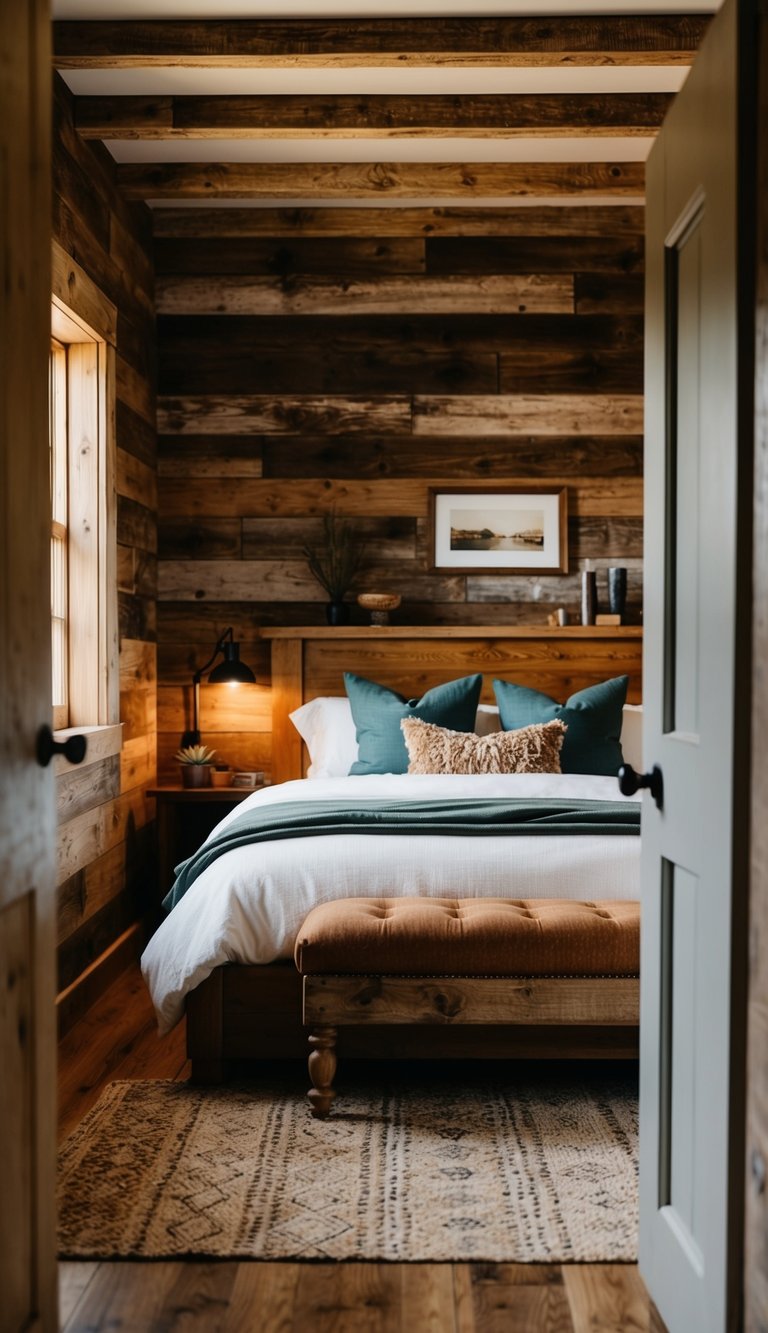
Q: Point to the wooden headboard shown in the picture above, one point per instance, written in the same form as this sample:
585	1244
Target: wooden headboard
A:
308	662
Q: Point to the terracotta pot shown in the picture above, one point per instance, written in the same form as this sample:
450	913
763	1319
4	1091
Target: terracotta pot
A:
195	775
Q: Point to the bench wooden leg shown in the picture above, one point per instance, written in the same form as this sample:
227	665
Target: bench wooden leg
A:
322	1067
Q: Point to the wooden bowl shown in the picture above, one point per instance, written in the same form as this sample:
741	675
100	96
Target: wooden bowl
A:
379	601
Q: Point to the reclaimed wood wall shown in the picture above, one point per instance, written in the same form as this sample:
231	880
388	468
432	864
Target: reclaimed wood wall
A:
104	846
351	358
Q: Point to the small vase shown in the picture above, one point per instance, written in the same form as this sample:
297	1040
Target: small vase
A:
617	590
588	597
337	613
195	775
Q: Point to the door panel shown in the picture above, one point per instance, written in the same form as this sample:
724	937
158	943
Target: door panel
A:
697	451
682	1111
683	468
27	823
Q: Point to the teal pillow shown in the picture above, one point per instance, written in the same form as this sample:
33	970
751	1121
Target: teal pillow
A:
593	718
378	712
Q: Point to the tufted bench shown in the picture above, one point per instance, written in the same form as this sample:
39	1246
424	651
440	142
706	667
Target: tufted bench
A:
462	960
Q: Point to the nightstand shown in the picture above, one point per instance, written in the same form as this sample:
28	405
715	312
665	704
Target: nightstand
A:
185	816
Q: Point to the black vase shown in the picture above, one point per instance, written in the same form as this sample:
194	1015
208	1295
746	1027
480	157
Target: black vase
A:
337	613
617	590
588	597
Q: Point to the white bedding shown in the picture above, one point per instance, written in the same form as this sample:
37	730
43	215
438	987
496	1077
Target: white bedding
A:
248	905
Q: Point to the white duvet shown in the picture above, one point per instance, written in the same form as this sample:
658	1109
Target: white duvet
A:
248	905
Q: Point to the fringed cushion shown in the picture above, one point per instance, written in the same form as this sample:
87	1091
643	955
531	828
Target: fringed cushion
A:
433	749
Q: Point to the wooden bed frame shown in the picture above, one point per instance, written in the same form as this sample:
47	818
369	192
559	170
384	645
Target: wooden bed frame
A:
255	1012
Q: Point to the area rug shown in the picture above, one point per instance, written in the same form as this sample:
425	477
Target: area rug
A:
503	1170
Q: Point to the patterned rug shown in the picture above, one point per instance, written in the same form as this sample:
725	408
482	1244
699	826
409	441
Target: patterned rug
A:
538	1170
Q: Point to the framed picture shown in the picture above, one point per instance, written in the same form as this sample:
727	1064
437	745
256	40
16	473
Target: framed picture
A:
499	530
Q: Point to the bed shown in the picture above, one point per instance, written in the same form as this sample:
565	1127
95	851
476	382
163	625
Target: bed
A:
224	953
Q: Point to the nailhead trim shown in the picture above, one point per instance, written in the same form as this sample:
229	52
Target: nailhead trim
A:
482	976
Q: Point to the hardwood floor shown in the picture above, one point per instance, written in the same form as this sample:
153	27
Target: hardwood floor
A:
116	1040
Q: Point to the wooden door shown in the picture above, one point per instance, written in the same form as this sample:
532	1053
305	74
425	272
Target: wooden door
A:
756	1211
698	454
27	824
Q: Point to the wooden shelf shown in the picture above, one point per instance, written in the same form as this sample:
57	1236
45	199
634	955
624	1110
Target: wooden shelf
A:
180	793
453	632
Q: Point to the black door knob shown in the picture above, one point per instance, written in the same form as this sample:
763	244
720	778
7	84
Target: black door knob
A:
73	748
631	782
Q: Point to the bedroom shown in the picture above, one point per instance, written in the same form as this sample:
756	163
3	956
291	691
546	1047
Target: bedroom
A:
249	492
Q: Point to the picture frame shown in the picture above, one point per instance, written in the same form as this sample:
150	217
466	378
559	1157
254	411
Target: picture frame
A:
506	529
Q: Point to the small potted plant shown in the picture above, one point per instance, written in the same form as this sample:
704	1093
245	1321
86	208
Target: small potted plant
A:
196	761
335	564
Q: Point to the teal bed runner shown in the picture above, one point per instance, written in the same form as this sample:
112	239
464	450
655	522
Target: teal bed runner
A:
457	818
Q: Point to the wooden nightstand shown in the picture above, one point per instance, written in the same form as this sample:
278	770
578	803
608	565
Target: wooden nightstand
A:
185	816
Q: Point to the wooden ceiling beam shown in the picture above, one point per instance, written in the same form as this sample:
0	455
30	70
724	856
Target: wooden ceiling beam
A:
431	294
365	180
500	116
646	40
558	220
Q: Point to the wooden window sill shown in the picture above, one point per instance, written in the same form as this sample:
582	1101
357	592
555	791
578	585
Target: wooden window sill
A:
103	741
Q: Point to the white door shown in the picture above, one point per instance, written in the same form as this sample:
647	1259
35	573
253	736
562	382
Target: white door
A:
27	824
698	450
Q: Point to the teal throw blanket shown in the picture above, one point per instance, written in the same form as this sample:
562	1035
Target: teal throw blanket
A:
475	818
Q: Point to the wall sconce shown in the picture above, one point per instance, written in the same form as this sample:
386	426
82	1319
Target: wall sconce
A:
231	671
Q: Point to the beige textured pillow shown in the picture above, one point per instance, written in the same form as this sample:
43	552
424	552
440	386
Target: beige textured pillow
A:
432	749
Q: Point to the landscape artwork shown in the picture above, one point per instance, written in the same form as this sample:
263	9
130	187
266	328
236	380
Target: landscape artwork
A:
496	530
507	531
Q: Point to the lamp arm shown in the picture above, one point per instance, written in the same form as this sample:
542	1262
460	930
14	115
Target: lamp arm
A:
196	679
218	649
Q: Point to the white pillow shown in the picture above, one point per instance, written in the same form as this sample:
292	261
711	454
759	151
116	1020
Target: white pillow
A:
326	727
632	735
487	719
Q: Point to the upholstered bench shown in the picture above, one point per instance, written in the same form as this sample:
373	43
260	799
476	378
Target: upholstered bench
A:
462	960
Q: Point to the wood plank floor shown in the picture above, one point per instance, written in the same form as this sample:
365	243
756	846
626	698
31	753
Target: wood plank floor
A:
116	1040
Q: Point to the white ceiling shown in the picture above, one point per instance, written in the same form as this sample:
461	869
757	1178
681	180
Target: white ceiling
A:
285	9
382	150
152	81
410	80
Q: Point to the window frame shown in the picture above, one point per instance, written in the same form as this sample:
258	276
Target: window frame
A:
59	477
84	322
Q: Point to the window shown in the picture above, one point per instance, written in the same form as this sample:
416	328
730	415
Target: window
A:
57	437
83	583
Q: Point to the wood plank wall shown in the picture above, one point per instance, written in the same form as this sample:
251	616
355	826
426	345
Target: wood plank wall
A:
105	834
351	359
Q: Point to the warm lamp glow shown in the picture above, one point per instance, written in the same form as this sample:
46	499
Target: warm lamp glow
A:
229	672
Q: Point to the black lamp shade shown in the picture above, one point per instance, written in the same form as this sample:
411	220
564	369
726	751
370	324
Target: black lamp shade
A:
231	670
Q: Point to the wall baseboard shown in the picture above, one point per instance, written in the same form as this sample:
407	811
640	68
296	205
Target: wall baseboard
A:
73	1002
